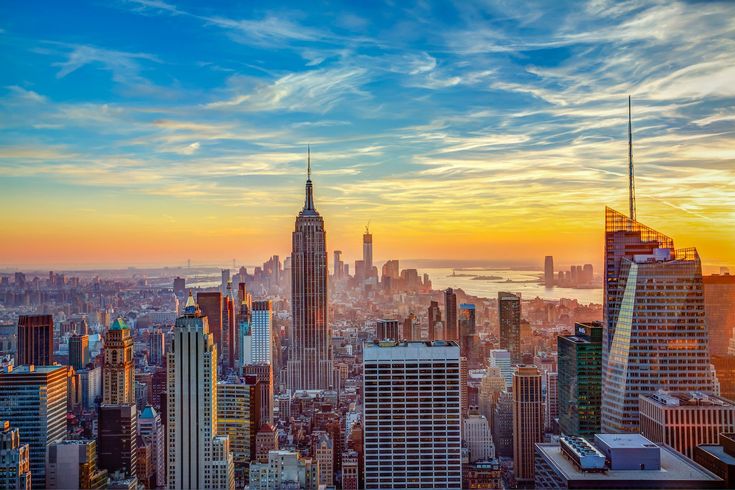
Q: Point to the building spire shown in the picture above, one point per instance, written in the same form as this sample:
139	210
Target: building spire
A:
631	176
309	202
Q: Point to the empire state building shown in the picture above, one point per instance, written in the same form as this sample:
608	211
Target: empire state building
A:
310	350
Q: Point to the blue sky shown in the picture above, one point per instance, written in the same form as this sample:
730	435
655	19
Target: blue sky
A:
483	129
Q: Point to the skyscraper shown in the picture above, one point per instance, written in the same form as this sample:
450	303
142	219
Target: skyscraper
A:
509	315
78	351
229	327
33	398
549	271
197	456
310	348
35	340
238	418
151	429
15	463
435	318
388	329
419	402
211	305
262	332
367	251
654	320
580	380
73	464
719	306
528	420
118	374
450	305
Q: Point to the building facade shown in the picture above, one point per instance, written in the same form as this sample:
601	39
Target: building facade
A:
509	318
35	340
15	462
528	420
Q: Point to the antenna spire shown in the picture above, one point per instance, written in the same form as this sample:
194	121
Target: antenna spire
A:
631	175
309	201
308	162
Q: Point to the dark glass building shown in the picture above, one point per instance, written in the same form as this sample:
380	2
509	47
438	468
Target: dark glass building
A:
509	318
35	340
580	380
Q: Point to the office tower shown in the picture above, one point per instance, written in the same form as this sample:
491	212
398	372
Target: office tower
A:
580	380
324	455
225	279
588	276
350	470
262	332
551	404
477	436
621	461
33	398
388	330
549	271
464	399
156	347
211	305
654	316
229	330
310	347
238	418
245	333
78	351
399	407
337	264
118	367
719	307
450	305
359	271
284	470
685	420
266	440
367	252
528	420
152	432
90	381
435	318
117	438
489	390
509	316
468	334
500	358
725	370
179	286
264	374
15	463
411	328
502	427
719	458
73	464
197	456
35	340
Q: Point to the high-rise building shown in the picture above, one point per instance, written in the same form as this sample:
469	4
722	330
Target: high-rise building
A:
118	369
266	440
725	371
73	464
197	456
78	351
388	330
509	318
264	374
468	334
338	264
500	359
503	424
488	392
229	328
238	418
549	271
367	252
422	388
435	318
262	333
35	340
211	305
156	347
180	287
33	398
528	420
719	306
117	438
411	328
654	320
580	380
323	451
479	440
450	305
551	404
152	431
310	347
685	420
350	470
15	462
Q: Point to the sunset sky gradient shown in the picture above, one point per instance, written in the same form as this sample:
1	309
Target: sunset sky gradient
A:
149	132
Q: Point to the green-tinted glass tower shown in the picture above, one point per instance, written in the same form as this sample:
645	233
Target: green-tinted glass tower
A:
580	380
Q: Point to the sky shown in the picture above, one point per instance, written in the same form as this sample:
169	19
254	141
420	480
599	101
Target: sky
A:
149	132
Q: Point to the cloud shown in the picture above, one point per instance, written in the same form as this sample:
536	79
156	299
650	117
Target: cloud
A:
123	65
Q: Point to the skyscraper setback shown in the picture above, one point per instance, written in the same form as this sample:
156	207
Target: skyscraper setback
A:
310	350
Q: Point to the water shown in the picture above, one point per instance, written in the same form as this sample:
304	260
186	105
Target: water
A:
441	278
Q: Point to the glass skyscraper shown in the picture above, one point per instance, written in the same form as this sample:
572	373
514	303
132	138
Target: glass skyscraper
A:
655	335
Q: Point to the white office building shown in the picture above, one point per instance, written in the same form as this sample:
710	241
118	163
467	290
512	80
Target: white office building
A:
500	358
478	438
411	415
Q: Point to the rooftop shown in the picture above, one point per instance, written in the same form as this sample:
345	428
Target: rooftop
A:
119	324
687	399
622	441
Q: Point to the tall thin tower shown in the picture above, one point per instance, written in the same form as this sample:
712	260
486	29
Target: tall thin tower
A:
310	349
631	175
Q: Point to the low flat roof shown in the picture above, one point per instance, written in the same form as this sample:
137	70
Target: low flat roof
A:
625	441
674	467
719	452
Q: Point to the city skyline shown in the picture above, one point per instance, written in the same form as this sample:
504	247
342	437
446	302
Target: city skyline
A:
210	128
